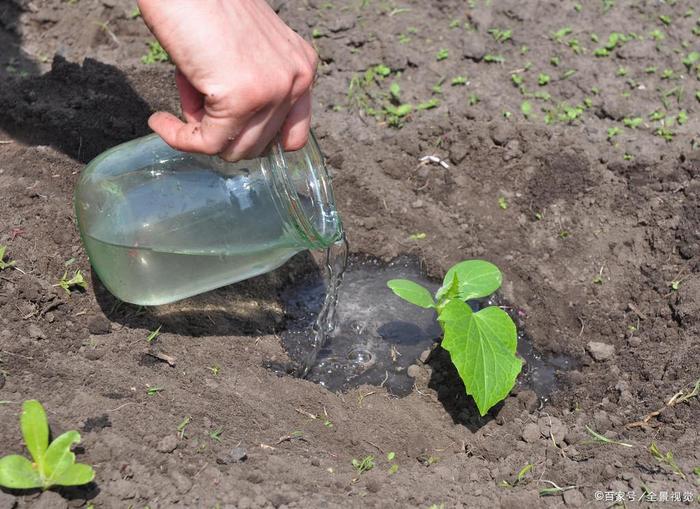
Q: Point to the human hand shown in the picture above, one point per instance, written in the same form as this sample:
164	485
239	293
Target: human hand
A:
242	73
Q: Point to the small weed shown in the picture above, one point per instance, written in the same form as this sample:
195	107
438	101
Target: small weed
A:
364	465
182	427
77	280
153	334
519	478
555	61
5	264
395	91
156	53
526	110
667	74
458	81
417	236
517	79
500	35
650	70
691	59
682	117
215	369
666	20
152	391
621	72
317	33
597	437
442	54
136	13
632	123
561	33
494	59
666	459
216	434
613	131
473	99
568	74
502	203
428	105
543	79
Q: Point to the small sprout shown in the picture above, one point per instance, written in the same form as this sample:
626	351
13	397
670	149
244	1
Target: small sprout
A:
517	79
682	117
526	109
317	33
524	49
364	465
650	70
621	71
578	7
561	33
153	334
395	468
564	234
77	280
417	236
135	13
152	391
691	59
538	216
697	95
608	4
632	123
458	81
53	463
627	156
215	369
502	203
554	61
543	79
667	74
382	70
5	264
442	54
473	99
507	114
395	90
182	427
665	133
666	459
156	53
428	105
613	131
500	35
575	46
568	74
494	59
666	20
656	115
455	23
216	434
390	456
327	423
657	35
437	88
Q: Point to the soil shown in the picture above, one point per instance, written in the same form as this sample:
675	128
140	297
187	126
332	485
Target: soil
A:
590	233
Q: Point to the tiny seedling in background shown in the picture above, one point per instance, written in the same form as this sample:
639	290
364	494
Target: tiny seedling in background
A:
364	465
77	280
182	427
494	59
666	459
5	264
526	108
442	54
53	464
543	79
152	391
613	131
395	91
156	53
153	334
136	13
458	81
502	203
481	344
216	434
215	369
417	236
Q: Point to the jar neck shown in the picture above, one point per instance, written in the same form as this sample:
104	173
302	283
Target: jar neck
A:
303	193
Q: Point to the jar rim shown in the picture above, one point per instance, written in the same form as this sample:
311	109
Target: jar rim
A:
313	211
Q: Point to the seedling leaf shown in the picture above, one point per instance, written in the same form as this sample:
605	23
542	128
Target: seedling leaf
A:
35	430
59	457
477	279
482	348
412	292
75	475
17	473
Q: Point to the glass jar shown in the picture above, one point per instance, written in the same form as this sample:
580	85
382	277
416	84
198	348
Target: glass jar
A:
160	225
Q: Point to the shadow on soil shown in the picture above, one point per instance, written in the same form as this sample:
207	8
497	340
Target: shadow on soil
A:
81	110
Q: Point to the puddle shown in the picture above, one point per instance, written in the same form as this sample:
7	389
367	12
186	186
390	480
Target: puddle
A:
378	335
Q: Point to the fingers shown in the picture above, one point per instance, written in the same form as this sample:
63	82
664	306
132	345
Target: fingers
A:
295	130
191	100
210	136
256	136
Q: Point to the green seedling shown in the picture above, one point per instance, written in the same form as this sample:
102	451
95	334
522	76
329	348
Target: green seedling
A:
442	54
666	459
153	334
5	264
526	109
215	369
682	117
697	95
458	81
428	105
561	33
136	13
519	478
517	79
524	49
216	434
666	20
494	59
77	280
665	133
543	79
437	88
608	4
481	344
182	427
575	46
555	61
621	72
500	35
650	70
473	99
667	74
502	203
152	391
156	53
632	123
364	465
657	35
613	131
691	59
53	464
317	33
395	91
417	236
597	437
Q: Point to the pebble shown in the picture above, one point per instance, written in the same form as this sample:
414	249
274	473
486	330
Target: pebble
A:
35	332
531	433
99	325
473	46
235	455
413	371
424	356
167	444
600	351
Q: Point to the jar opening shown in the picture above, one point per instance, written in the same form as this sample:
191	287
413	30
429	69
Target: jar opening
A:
306	188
